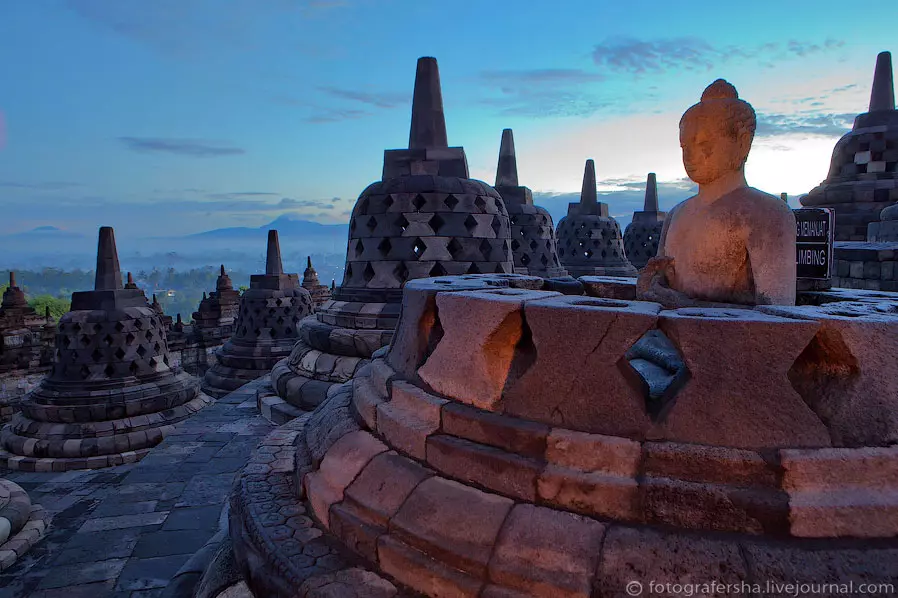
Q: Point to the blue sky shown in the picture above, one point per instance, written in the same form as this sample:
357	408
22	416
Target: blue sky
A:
187	115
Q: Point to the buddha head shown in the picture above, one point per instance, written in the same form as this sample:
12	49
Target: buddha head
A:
716	133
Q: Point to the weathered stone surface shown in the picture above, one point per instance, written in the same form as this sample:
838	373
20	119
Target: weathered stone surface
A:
661	563
514	435
739	393
376	500
417	570
409	418
842	492
591	391
502	472
547	553
792	571
454	523
847	374
473	361
340	466
609	287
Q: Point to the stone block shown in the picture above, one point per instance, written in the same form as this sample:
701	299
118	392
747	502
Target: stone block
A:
488	467
365	399
376	501
591	493
842	492
340	466
547	553
789	571
481	330
451	522
660	561
848	374
511	434
417	570
578	377
409	418
593	452
739	393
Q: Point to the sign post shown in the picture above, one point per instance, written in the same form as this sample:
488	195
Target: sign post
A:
814	248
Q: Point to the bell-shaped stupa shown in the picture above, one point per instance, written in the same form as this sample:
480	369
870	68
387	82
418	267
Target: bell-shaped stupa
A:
533	244
424	218
589	240
863	174
219	309
320	293
111	395
267	325
644	231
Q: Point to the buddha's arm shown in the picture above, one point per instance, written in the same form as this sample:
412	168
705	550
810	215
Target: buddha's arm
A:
771	251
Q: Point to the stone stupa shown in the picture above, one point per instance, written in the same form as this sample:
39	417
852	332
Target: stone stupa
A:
320	293
644	232
424	218
219	309
266	329
589	240
863	174
111	395
533	243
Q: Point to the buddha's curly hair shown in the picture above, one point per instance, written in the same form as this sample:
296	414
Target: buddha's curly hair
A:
721	95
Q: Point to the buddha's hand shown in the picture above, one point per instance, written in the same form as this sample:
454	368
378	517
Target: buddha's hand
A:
654	284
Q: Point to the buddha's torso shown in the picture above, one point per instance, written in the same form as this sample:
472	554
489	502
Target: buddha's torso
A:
709	244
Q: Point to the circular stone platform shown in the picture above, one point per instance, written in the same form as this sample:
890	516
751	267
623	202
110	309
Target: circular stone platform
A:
22	524
524	456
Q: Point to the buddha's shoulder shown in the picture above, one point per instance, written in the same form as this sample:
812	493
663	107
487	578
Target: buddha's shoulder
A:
751	201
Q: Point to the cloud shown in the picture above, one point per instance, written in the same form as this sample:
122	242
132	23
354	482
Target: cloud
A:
543	93
239	195
629	55
376	99
185	147
804	123
336	115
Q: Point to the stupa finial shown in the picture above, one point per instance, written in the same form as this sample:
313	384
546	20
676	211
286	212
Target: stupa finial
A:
309	261
273	264
109	273
428	128
222	270
882	97
507	171
12	279
588	194
651	194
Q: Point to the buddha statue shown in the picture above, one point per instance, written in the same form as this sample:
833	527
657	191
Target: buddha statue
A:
729	243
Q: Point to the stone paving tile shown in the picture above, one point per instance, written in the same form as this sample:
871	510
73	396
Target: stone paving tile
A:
198	518
123	532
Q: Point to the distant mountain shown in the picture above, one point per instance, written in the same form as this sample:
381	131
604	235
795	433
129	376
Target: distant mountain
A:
286	225
43	233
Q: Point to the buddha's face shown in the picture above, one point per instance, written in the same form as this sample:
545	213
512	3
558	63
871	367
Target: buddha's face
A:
711	148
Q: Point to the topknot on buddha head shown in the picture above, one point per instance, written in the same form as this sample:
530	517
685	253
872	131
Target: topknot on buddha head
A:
716	134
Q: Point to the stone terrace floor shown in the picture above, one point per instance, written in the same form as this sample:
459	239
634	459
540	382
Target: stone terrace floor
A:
125	531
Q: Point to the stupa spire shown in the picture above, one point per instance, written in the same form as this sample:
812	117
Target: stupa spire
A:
507	171
882	97
651	194
588	194
222	270
12	279
428	128
309	262
273	264
109	273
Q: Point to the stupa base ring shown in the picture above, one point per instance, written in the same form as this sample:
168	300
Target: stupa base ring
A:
22	524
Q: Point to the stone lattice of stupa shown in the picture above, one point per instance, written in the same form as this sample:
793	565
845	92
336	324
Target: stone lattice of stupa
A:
644	232
589	240
424	218
267	325
112	394
863	174
533	245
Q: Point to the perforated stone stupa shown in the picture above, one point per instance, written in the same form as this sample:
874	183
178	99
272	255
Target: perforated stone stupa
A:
320	293
424	218
112	394
267	326
533	243
589	240
217	312
863	174
644	232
